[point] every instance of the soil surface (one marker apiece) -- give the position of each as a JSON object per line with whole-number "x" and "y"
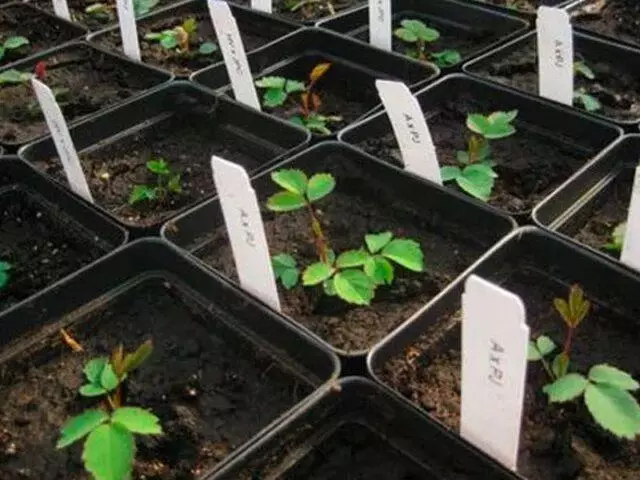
{"x": 42, "y": 31}
{"x": 615, "y": 86}
{"x": 211, "y": 390}
{"x": 614, "y": 18}
{"x": 361, "y": 204}
{"x": 523, "y": 5}
{"x": 84, "y": 81}
{"x": 254, "y": 35}
{"x": 41, "y": 244}
{"x": 428, "y": 373}
{"x": 310, "y": 11}
{"x": 530, "y": 164}
{"x": 186, "y": 142}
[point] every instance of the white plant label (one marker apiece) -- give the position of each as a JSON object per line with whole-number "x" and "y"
{"x": 630, "y": 254}
{"x": 555, "y": 55}
{"x": 235, "y": 58}
{"x": 246, "y": 232}
{"x": 380, "y": 24}
{"x": 62, "y": 139}
{"x": 61, "y": 9}
{"x": 262, "y": 5}
{"x": 411, "y": 130}
{"x": 128, "y": 29}
{"x": 495, "y": 339}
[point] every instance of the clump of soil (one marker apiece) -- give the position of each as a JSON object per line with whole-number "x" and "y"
{"x": 428, "y": 373}
{"x": 308, "y": 11}
{"x": 85, "y": 81}
{"x": 614, "y": 18}
{"x": 211, "y": 389}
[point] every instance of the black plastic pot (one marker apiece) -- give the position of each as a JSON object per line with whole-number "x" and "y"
{"x": 257, "y": 29}
{"x": 209, "y": 339}
{"x": 370, "y": 196}
{"x": 350, "y": 80}
{"x": 587, "y": 22}
{"x": 594, "y": 201}
{"x": 50, "y": 31}
{"x": 129, "y": 80}
{"x": 46, "y": 233}
{"x": 283, "y": 13}
{"x": 474, "y": 28}
{"x": 357, "y": 430}
{"x": 537, "y": 266}
{"x": 569, "y": 134}
{"x": 616, "y": 61}
{"x": 151, "y": 127}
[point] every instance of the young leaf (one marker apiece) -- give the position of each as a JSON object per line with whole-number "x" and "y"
{"x": 545, "y": 345}
{"x": 15, "y": 42}
{"x": 406, "y": 35}
{"x": 560, "y": 365}
{"x": 320, "y": 185}
{"x": 169, "y": 40}
{"x": 477, "y": 182}
{"x": 352, "y": 258}
{"x": 92, "y": 390}
{"x": 135, "y": 359}
{"x": 446, "y": 58}
{"x": 589, "y": 102}
{"x": 14, "y": 76}
{"x": 615, "y": 410}
{"x": 405, "y": 252}
{"x": 318, "y": 123}
{"x": 420, "y": 30}
{"x": 108, "y": 379}
{"x": 318, "y": 71}
{"x": 175, "y": 183}
{"x": 142, "y": 192}
{"x": 292, "y": 180}
{"x": 108, "y": 452}
{"x": 533, "y": 354}
{"x": 316, "y": 273}
{"x": 617, "y": 238}
{"x": 449, "y": 172}
{"x": 608, "y": 375}
{"x": 159, "y": 166}
{"x": 78, "y": 427}
{"x": 271, "y": 82}
{"x": 93, "y": 369}
{"x": 566, "y": 388}
{"x": 329, "y": 287}
{"x": 293, "y": 86}
{"x": 207, "y": 48}
{"x": 274, "y": 97}
{"x": 377, "y": 241}
{"x": 285, "y": 268}
{"x": 137, "y": 420}
{"x": 581, "y": 68}
{"x": 354, "y": 286}
{"x": 379, "y": 269}
{"x": 285, "y": 202}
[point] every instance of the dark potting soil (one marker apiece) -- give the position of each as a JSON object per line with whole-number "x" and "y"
{"x": 615, "y": 18}
{"x": 41, "y": 244}
{"x": 522, "y": 5}
{"x": 428, "y": 373}
{"x": 309, "y": 11}
{"x": 211, "y": 390}
{"x": 617, "y": 89}
{"x": 530, "y": 163}
{"x": 186, "y": 142}
{"x": 361, "y": 204}
{"x": 42, "y": 31}
{"x": 85, "y": 81}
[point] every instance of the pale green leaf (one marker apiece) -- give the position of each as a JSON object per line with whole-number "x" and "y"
{"x": 282, "y": 262}
{"x": 169, "y": 41}
{"x": 289, "y": 278}
{"x": 137, "y": 420}
{"x": 320, "y": 185}
{"x": 420, "y": 30}
{"x": 446, "y": 58}
{"x": 533, "y": 354}
{"x": 476, "y": 182}
{"x": 285, "y": 202}
{"x": 405, "y": 252}
{"x": 606, "y": 374}
{"x": 478, "y": 123}
{"x": 109, "y": 380}
{"x": 566, "y": 388}
{"x": 545, "y": 345}
{"x": 406, "y": 35}
{"x": 316, "y": 273}
{"x": 271, "y": 82}
{"x": 376, "y": 241}
{"x": 354, "y": 286}
{"x": 351, "y": 258}
{"x": 379, "y": 269}
{"x": 560, "y": 365}
{"x": 92, "y": 390}
{"x": 108, "y": 452}
{"x": 449, "y": 172}
{"x": 142, "y": 192}
{"x": 274, "y": 97}
{"x": 292, "y": 180}
{"x": 207, "y": 48}
{"x": 93, "y": 369}
{"x": 77, "y": 427}
{"x": 613, "y": 409}
{"x": 15, "y": 42}
{"x": 14, "y": 76}
{"x": 329, "y": 287}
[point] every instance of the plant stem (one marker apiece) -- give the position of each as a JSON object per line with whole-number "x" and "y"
{"x": 567, "y": 342}
{"x": 545, "y": 364}
{"x": 320, "y": 240}
{"x": 475, "y": 144}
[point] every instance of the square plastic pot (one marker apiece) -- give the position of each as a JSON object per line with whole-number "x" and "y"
{"x": 357, "y": 430}
{"x": 211, "y": 341}
{"x": 370, "y": 197}
{"x": 257, "y": 31}
{"x": 570, "y": 138}
{"x": 119, "y": 143}
{"x": 280, "y": 10}
{"x": 613, "y": 28}
{"x": 464, "y": 27}
{"x": 349, "y": 83}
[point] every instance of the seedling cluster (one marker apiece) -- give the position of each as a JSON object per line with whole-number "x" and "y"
{"x": 474, "y": 173}
{"x": 580, "y": 96}
{"x": 180, "y": 38}
{"x": 12, "y": 43}
{"x": 352, "y": 275}
{"x": 105, "y": 11}
{"x": 417, "y": 34}
{"x": 167, "y": 182}
{"x": 605, "y": 389}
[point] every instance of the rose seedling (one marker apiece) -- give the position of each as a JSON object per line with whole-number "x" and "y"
{"x": 474, "y": 173}
{"x": 180, "y": 37}
{"x": 109, "y": 448}
{"x": 167, "y": 182}
{"x": 416, "y": 33}
{"x": 605, "y": 389}
{"x": 12, "y": 43}
{"x": 617, "y": 238}
{"x": 580, "y": 96}
{"x": 279, "y": 89}
{"x": 14, "y": 77}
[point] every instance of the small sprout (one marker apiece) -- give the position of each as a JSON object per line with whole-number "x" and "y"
{"x": 104, "y": 11}
{"x": 417, "y": 33}
{"x": 180, "y": 37}
{"x": 617, "y": 238}
{"x": 446, "y": 58}
{"x": 285, "y": 270}
{"x": 4, "y": 273}
{"x": 475, "y": 174}
{"x": 12, "y": 43}
{"x": 580, "y": 96}
{"x": 14, "y": 77}
{"x": 167, "y": 182}
{"x": 581, "y": 68}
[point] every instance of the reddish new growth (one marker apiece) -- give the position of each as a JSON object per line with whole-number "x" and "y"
{"x": 40, "y": 70}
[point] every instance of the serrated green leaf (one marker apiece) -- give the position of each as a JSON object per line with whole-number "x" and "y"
{"x": 285, "y": 202}
{"x": 613, "y": 409}
{"x": 282, "y": 262}
{"x": 420, "y": 30}
{"x": 609, "y": 375}
{"x": 376, "y": 241}
{"x": 93, "y": 369}
{"x": 446, "y": 58}
{"x": 79, "y": 426}
{"x": 405, "y": 252}
{"x": 12, "y": 43}
{"x": 449, "y": 172}
{"x": 137, "y": 358}
{"x": 108, "y": 452}
{"x": 92, "y": 390}
{"x": 142, "y": 192}
{"x": 137, "y": 420}
{"x": 354, "y": 286}
{"x": 566, "y": 388}
{"x": 560, "y": 365}
{"x": 533, "y": 354}
{"x": 545, "y": 345}
{"x": 14, "y": 76}
{"x": 293, "y": 86}
{"x": 476, "y": 182}
{"x": 108, "y": 379}
{"x": 207, "y": 48}
{"x": 320, "y": 185}
{"x": 379, "y": 269}
{"x": 292, "y": 180}
{"x": 289, "y": 278}
{"x": 352, "y": 258}
{"x": 274, "y": 97}
{"x": 581, "y": 68}
{"x": 478, "y": 123}
{"x": 406, "y": 35}
{"x": 271, "y": 82}
{"x": 158, "y": 166}
{"x": 169, "y": 41}
{"x": 316, "y": 273}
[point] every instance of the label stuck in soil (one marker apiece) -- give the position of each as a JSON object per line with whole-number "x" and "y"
{"x": 128, "y": 29}
{"x": 411, "y": 130}
{"x": 62, "y": 139}
{"x": 630, "y": 254}
{"x": 235, "y": 58}
{"x": 495, "y": 339}
{"x": 262, "y": 5}
{"x": 242, "y": 218}
{"x": 61, "y": 9}
{"x": 555, "y": 55}
{"x": 380, "y": 24}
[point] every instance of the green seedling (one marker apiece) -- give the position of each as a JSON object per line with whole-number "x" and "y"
{"x": 167, "y": 182}
{"x": 474, "y": 173}
{"x": 580, "y": 96}
{"x": 105, "y": 11}
{"x": 180, "y": 38}
{"x": 617, "y": 238}
{"x": 352, "y": 275}
{"x": 4, "y": 273}
{"x": 109, "y": 448}
{"x": 418, "y": 34}
{"x": 279, "y": 89}
{"x": 14, "y": 77}
{"x": 12, "y": 43}
{"x": 605, "y": 389}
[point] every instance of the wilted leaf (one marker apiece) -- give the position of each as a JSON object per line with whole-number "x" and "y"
{"x": 613, "y": 409}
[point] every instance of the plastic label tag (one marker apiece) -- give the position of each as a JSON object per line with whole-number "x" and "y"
{"x": 495, "y": 340}
{"x": 128, "y": 29}
{"x": 246, "y": 231}
{"x": 380, "y": 24}
{"x": 555, "y": 55}
{"x": 262, "y": 5}
{"x": 235, "y": 58}
{"x": 62, "y": 139}
{"x": 630, "y": 254}
{"x": 411, "y": 130}
{"x": 61, "y": 9}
